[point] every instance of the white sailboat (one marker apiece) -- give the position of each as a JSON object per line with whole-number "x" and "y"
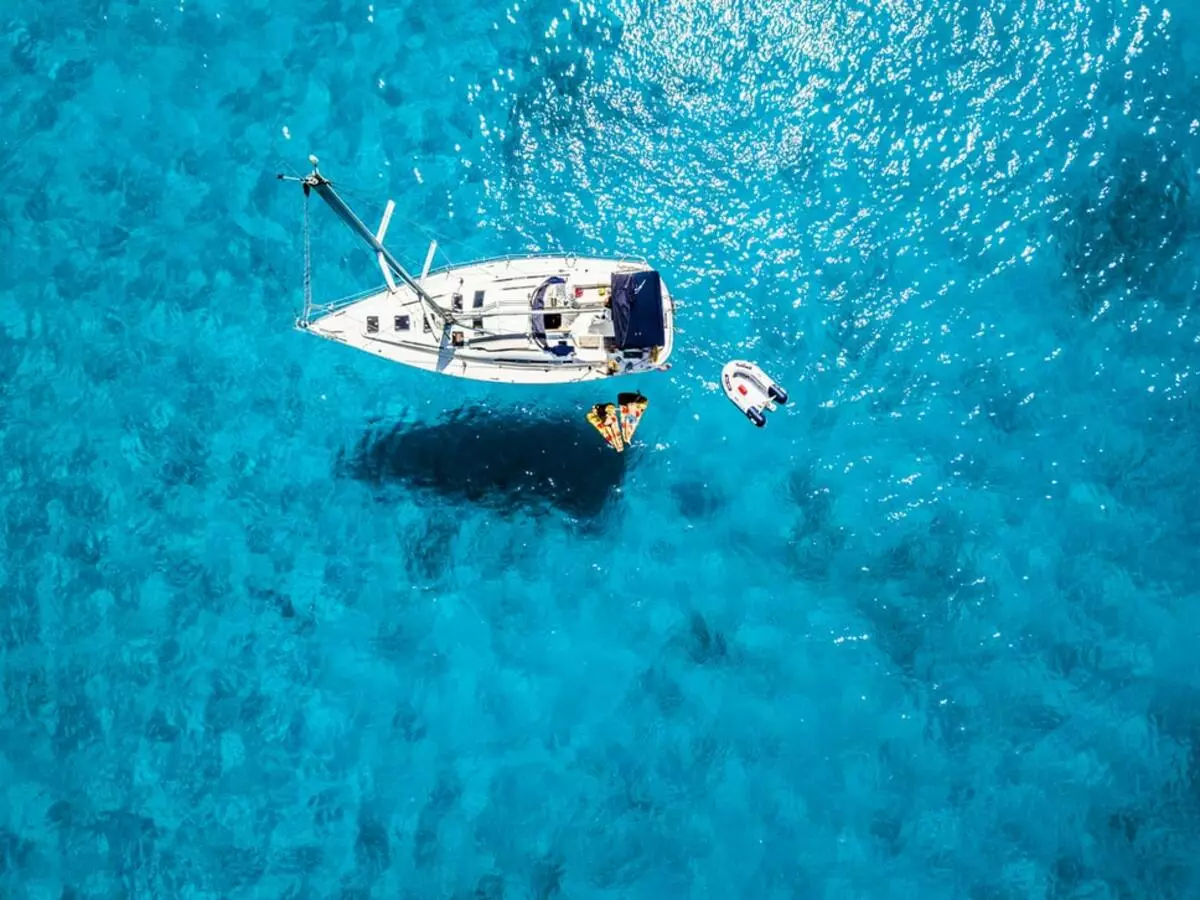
{"x": 541, "y": 319}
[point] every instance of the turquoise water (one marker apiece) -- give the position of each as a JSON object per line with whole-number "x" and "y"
{"x": 281, "y": 620}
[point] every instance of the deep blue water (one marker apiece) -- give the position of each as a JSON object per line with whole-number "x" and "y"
{"x": 281, "y": 620}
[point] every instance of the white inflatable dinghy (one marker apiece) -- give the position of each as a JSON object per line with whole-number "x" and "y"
{"x": 751, "y": 390}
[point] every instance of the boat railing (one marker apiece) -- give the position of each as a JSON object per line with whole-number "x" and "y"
{"x": 544, "y": 254}
{"x": 320, "y": 310}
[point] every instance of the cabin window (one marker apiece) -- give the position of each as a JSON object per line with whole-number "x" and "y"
{"x": 477, "y": 324}
{"x": 428, "y": 328}
{"x": 372, "y": 324}
{"x": 553, "y": 321}
{"x": 478, "y": 302}
{"x": 401, "y": 323}
{"x": 456, "y": 302}
{"x": 456, "y": 338}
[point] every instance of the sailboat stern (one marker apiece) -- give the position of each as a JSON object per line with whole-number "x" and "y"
{"x": 641, "y": 318}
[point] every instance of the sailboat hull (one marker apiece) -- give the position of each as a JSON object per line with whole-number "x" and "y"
{"x": 552, "y": 319}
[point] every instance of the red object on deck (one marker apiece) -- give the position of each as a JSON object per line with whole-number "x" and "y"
{"x": 742, "y": 389}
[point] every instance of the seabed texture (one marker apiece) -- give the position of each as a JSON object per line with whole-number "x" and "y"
{"x": 279, "y": 620}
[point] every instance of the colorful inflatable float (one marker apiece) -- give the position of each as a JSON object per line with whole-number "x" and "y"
{"x": 617, "y": 422}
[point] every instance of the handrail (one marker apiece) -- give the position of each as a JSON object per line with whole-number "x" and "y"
{"x": 320, "y": 310}
{"x": 542, "y": 254}
{"x": 324, "y": 309}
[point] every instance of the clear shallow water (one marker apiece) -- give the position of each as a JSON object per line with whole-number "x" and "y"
{"x": 280, "y": 621}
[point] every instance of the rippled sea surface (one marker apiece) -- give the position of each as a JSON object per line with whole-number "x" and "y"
{"x": 280, "y": 620}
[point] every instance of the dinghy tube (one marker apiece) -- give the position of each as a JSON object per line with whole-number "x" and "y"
{"x": 751, "y": 391}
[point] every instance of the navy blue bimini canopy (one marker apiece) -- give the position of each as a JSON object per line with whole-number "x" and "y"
{"x": 637, "y": 310}
{"x": 538, "y": 303}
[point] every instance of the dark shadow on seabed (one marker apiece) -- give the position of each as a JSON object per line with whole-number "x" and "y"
{"x": 506, "y": 459}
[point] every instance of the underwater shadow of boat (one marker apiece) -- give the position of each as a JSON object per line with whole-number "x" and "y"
{"x": 504, "y": 459}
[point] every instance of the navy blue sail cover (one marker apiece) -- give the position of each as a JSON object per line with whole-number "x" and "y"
{"x": 637, "y": 310}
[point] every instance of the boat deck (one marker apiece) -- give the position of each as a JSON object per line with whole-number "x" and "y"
{"x": 494, "y": 337}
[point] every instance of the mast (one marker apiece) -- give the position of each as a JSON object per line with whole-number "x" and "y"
{"x": 324, "y": 188}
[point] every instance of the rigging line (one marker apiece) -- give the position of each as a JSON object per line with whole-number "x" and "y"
{"x": 354, "y": 193}
{"x": 368, "y": 202}
{"x": 284, "y": 164}
{"x": 307, "y": 265}
{"x": 371, "y": 205}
